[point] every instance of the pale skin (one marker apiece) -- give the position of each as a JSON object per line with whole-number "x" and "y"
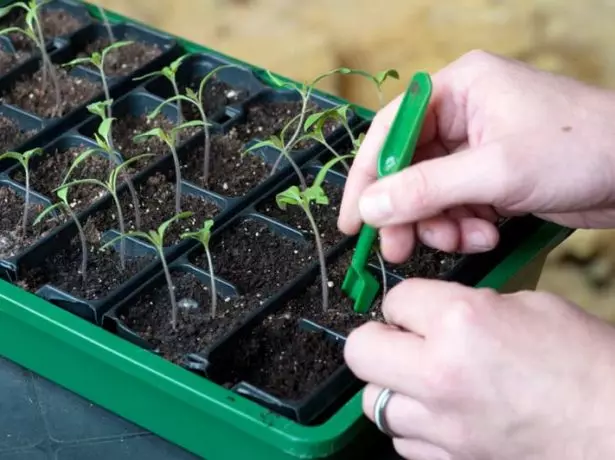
{"x": 479, "y": 375}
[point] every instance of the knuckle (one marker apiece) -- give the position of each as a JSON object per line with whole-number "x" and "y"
{"x": 445, "y": 378}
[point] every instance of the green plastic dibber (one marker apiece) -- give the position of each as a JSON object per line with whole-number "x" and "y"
{"x": 396, "y": 153}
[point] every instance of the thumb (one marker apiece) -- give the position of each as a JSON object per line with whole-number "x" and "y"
{"x": 475, "y": 176}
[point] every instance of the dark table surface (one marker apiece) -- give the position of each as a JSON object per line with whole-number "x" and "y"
{"x": 42, "y": 421}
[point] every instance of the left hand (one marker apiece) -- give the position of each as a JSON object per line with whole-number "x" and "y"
{"x": 479, "y": 375}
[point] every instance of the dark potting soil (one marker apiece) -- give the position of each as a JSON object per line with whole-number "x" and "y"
{"x": 49, "y": 173}
{"x": 54, "y": 23}
{"x": 8, "y": 61}
{"x": 282, "y": 359}
{"x": 230, "y": 173}
{"x": 12, "y": 239}
{"x": 157, "y": 204}
{"x": 11, "y": 134}
{"x": 216, "y": 96}
{"x": 30, "y": 95}
{"x": 150, "y": 317}
{"x": 430, "y": 263}
{"x": 124, "y": 60}
{"x": 265, "y": 119}
{"x": 62, "y": 268}
{"x": 126, "y": 127}
{"x": 324, "y": 215}
{"x": 255, "y": 260}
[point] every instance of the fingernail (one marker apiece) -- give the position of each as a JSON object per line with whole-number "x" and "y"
{"x": 479, "y": 241}
{"x": 374, "y": 208}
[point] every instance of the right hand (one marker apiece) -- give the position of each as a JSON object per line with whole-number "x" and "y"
{"x": 501, "y": 138}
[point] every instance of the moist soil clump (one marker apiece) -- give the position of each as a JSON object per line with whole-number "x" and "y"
{"x": 12, "y": 240}
{"x": 62, "y": 268}
{"x": 196, "y": 331}
{"x": 55, "y": 23}
{"x": 264, "y": 119}
{"x": 124, "y": 60}
{"x": 248, "y": 255}
{"x": 11, "y": 134}
{"x": 324, "y": 215}
{"x": 156, "y": 198}
{"x": 281, "y": 359}
{"x": 30, "y": 95}
{"x": 48, "y": 174}
{"x": 230, "y": 173}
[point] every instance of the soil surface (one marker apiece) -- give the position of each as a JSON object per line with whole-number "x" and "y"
{"x": 324, "y": 215}
{"x": 157, "y": 204}
{"x": 8, "y": 61}
{"x": 11, "y": 134}
{"x": 30, "y": 95}
{"x": 266, "y": 118}
{"x": 282, "y": 359}
{"x": 124, "y": 60}
{"x": 150, "y": 317}
{"x": 216, "y": 96}
{"x": 248, "y": 255}
{"x": 12, "y": 241}
{"x": 230, "y": 173}
{"x": 48, "y": 174}
{"x": 428, "y": 262}
{"x": 55, "y": 23}
{"x": 62, "y": 268}
{"x": 126, "y": 127}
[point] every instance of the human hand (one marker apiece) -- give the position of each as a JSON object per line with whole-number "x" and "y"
{"x": 478, "y": 375}
{"x": 525, "y": 141}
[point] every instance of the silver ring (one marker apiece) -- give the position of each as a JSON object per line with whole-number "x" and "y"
{"x": 379, "y": 408}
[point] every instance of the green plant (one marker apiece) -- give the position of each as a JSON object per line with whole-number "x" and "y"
{"x": 104, "y": 140}
{"x": 65, "y": 207}
{"x": 295, "y": 196}
{"x": 196, "y": 99}
{"x": 170, "y": 73}
{"x": 34, "y": 32}
{"x": 24, "y": 161}
{"x": 203, "y": 235}
{"x": 170, "y": 139}
{"x": 111, "y": 187}
{"x": 97, "y": 59}
{"x": 305, "y": 91}
{"x": 105, "y": 19}
{"x": 156, "y": 239}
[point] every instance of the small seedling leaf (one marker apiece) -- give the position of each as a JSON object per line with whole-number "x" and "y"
{"x": 78, "y": 61}
{"x": 45, "y": 212}
{"x": 32, "y": 153}
{"x": 274, "y": 142}
{"x": 174, "y": 66}
{"x": 382, "y": 76}
{"x": 77, "y": 161}
{"x": 155, "y": 132}
{"x": 320, "y": 177}
{"x": 13, "y": 156}
{"x": 165, "y": 225}
{"x": 190, "y": 124}
{"x": 99, "y": 108}
{"x": 290, "y": 196}
{"x": 316, "y": 194}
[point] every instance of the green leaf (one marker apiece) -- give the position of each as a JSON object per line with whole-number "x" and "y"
{"x": 104, "y": 129}
{"x": 118, "y": 169}
{"x": 274, "y": 142}
{"x": 77, "y": 161}
{"x": 63, "y": 195}
{"x": 100, "y": 108}
{"x": 13, "y": 156}
{"x": 148, "y": 75}
{"x": 290, "y": 196}
{"x": 74, "y": 62}
{"x": 10, "y": 30}
{"x": 190, "y": 124}
{"x": 82, "y": 182}
{"x": 320, "y": 177}
{"x": 316, "y": 194}
{"x": 112, "y": 241}
{"x": 207, "y": 77}
{"x": 382, "y": 76}
{"x": 116, "y": 45}
{"x": 32, "y": 153}
{"x": 155, "y": 132}
{"x": 45, "y": 212}
{"x": 7, "y": 9}
{"x": 174, "y": 66}
{"x": 163, "y": 227}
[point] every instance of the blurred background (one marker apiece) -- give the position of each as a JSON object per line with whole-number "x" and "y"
{"x": 302, "y": 39}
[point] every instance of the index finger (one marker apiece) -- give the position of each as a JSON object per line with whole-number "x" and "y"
{"x": 364, "y": 170}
